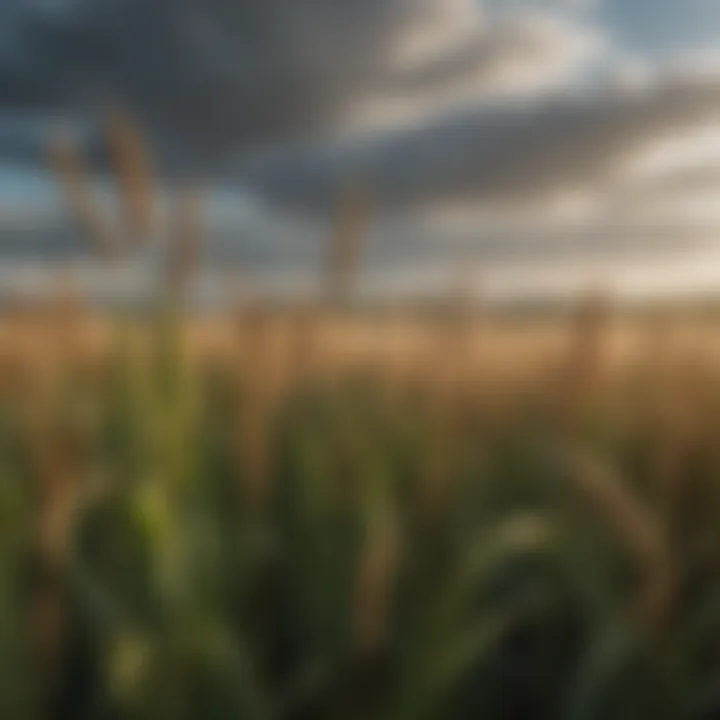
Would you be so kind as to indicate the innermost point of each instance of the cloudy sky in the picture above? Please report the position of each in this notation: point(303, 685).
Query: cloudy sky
point(541, 144)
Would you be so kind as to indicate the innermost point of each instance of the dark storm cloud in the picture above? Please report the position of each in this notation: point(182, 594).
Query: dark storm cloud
point(514, 151)
point(212, 72)
point(212, 77)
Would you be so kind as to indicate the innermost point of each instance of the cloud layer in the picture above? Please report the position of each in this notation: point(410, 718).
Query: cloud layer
point(219, 74)
point(509, 152)
point(523, 130)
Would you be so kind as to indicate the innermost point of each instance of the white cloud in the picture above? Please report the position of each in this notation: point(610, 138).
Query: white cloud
point(435, 29)
point(697, 147)
point(457, 55)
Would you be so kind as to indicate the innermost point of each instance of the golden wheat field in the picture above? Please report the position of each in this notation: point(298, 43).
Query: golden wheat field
point(325, 514)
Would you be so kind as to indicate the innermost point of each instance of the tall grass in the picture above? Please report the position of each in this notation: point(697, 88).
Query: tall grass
point(314, 514)
point(190, 534)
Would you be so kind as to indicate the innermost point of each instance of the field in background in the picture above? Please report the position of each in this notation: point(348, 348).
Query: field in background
point(325, 515)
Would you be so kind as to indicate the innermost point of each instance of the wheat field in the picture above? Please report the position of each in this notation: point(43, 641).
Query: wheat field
point(330, 511)
point(321, 514)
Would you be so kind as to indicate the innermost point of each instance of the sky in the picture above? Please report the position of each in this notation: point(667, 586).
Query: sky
point(539, 144)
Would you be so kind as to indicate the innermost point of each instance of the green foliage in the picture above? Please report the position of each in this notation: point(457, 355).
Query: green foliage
point(403, 561)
